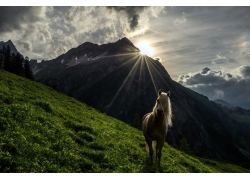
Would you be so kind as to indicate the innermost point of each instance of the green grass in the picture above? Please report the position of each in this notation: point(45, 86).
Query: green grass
point(42, 130)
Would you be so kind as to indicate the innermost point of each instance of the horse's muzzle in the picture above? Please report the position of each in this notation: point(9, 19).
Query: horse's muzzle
point(159, 112)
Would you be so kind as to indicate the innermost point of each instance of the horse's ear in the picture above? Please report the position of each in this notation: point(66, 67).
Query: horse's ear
point(168, 93)
point(159, 92)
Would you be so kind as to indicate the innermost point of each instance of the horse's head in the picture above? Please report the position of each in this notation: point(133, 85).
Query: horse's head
point(161, 105)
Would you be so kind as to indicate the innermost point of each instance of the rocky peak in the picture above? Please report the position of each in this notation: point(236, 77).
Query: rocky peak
point(10, 43)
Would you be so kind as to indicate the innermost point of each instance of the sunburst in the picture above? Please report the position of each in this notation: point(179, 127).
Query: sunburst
point(145, 48)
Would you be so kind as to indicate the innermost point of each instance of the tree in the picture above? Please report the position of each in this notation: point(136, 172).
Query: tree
point(27, 71)
point(6, 63)
point(19, 64)
point(13, 66)
point(1, 59)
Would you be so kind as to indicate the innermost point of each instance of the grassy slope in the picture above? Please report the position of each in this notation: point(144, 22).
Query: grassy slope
point(42, 130)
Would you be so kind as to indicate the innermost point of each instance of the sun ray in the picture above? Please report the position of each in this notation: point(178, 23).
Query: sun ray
point(157, 71)
point(140, 75)
point(124, 82)
point(151, 75)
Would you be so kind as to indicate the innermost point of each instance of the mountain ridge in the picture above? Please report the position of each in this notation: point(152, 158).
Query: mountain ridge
point(222, 102)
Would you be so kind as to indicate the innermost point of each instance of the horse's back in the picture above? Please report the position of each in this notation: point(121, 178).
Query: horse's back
point(145, 121)
point(145, 116)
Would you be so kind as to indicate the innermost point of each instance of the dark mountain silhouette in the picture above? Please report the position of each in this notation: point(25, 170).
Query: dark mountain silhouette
point(222, 102)
point(115, 79)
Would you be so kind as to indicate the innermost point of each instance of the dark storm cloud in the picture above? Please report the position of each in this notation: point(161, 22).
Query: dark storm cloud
point(205, 70)
point(12, 18)
point(233, 86)
point(134, 22)
point(246, 72)
point(132, 13)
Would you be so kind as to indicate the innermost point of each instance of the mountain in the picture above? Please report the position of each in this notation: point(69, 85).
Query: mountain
point(117, 80)
point(222, 102)
point(10, 43)
point(44, 131)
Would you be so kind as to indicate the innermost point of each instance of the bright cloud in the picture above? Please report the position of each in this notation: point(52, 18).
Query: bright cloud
point(232, 86)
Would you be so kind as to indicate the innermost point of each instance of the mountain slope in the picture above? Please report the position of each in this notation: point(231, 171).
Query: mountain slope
point(45, 131)
point(114, 78)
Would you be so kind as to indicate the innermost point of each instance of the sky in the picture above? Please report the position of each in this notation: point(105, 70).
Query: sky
point(205, 48)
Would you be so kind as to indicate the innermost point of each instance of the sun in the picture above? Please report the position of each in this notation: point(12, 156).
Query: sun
point(145, 48)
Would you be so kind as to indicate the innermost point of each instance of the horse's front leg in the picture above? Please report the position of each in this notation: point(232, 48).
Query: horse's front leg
point(159, 149)
point(150, 148)
point(151, 152)
point(156, 151)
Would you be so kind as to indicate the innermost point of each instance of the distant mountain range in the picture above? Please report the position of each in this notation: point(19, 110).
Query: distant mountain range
point(117, 80)
point(222, 102)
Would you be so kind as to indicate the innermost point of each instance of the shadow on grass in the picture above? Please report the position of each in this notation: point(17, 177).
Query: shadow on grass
point(151, 168)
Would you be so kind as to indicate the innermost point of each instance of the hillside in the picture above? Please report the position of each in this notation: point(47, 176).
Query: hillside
point(239, 118)
point(117, 80)
point(46, 131)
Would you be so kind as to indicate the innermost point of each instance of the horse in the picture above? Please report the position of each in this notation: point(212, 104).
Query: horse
point(155, 124)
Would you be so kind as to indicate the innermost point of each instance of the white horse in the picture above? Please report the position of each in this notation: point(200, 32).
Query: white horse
point(155, 124)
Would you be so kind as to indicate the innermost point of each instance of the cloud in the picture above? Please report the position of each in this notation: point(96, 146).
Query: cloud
point(220, 59)
point(26, 45)
point(15, 18)
point(47, 32)
point(242, 72)
point(245, 52)
point(218, 94)
point(232, 86)
point(158, 59)
point(132, 14)
point(202, 78)
point(205, 70)
point(181, 20)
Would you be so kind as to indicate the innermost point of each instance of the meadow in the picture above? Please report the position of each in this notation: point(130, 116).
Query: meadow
point(42, 130)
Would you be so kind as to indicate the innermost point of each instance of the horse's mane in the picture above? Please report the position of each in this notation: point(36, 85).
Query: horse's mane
point(166, 108)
